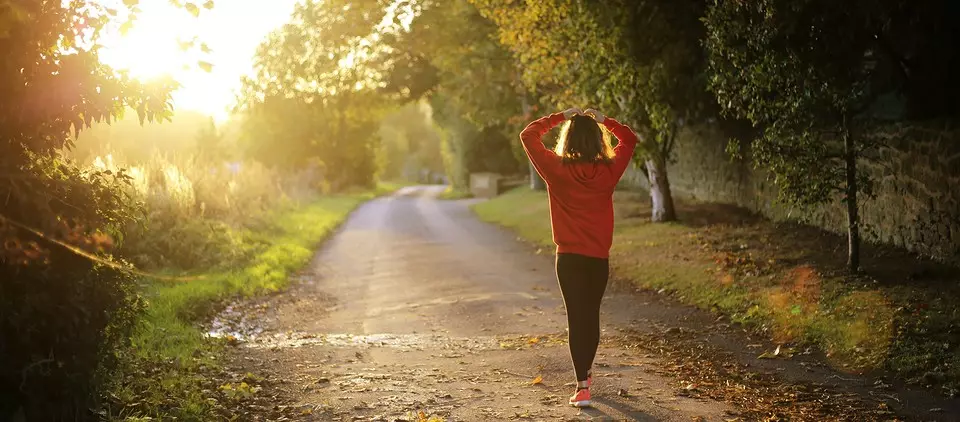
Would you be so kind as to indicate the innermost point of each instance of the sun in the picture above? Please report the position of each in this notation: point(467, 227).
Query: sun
point(152, 47)
point(232, 29)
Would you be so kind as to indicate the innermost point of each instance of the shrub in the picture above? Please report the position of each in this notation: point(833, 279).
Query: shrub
point(64, 312)
point(197, 211)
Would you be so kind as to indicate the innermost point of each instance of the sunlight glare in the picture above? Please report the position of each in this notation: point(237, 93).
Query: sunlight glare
point(151, 47)
point(232, 30)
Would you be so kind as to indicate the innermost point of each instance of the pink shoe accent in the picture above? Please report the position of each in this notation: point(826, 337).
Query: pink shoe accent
point(581, 398)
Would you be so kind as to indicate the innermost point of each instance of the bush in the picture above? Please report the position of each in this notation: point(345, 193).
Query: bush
point(197, 211)
point(61, 328)
point(64, 312)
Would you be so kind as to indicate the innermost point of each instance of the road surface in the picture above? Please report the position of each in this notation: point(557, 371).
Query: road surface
point(416, 306)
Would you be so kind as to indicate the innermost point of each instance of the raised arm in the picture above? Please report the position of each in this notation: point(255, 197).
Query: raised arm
point(626, 144)
point(545, 161)
point(626, 140)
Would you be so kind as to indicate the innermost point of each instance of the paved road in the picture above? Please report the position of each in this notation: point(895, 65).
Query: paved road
point(415, 305)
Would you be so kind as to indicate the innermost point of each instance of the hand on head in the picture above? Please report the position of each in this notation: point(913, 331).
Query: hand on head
point(570, 112)
point(598, 116)
point(575, 111)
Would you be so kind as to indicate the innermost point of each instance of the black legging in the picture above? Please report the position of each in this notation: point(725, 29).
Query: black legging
point(583, 280)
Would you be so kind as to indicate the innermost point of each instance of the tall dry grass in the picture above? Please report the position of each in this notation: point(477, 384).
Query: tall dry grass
point(196, 212)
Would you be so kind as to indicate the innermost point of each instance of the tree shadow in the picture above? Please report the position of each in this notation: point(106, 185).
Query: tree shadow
point(895, 316)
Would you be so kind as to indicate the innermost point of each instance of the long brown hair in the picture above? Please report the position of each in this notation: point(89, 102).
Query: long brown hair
point(582, 141)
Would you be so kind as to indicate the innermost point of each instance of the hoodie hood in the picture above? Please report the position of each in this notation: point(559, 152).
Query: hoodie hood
point(590, 175)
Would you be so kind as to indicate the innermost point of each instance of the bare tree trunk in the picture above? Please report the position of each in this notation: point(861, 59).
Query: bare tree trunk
point(853, 218)
point(536, 182)
point(662, 208)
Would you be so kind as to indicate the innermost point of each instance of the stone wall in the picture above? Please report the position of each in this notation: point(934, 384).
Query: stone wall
point(917, 173)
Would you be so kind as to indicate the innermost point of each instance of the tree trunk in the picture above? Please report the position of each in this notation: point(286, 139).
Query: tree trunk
point(536, 182)
point(853, 218)
point(662, 208)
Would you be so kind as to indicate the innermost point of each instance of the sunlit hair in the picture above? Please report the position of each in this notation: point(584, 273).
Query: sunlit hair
point(582, 141)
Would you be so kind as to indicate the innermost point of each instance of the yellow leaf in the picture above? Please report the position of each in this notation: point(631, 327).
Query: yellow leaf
point(533, 340)
point(193, 9)
point(537, 380)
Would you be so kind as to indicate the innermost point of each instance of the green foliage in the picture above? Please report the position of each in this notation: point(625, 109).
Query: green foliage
point(801, 71)
point(67, 310)
point(409, 143)
point(807, 73)
point(476, 73)
point(315, 98)
point(468, 148)
point(211, 145)
point(192, 208)
point(474, 87)
point(172, 370)
point(125, 138)
point(451, 193)
point(907, 327)
point(65, 313)
point(640, 62)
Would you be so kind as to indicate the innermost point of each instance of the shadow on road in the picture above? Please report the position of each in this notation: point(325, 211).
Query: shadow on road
point(624, 410)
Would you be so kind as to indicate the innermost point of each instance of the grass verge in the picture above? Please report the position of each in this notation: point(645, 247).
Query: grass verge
point(785, 280)
point(452, 194)
point(172, 370)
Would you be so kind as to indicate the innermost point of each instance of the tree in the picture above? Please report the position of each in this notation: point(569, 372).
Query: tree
point(67, 309)
point(126, 137)
point(473, 84)
point(210, 145)
point(409, 142)
point(807, 73)
point(640, 61)
point(316, 95)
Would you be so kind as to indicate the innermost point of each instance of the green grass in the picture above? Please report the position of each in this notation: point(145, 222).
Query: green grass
point(784, 280)
point(172, 369)
point(521, 210)
point(450, 193)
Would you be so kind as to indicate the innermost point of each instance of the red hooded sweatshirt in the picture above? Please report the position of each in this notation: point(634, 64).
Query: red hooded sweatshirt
point(581, 194)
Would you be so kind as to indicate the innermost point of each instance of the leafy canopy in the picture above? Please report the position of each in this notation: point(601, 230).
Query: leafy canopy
point(318, 92)
point(639, 61)
point(801, 71)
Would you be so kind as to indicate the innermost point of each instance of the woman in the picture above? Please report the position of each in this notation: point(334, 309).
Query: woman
point(581, 173)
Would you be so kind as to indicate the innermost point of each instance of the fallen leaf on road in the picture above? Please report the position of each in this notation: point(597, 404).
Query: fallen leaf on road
point(784, 353)
point(537, 380)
